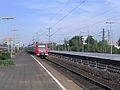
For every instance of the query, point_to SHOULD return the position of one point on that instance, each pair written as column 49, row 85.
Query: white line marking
column 63, row 88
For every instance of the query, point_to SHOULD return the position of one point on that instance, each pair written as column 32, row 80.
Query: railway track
column 90, row 63
column 90, row 82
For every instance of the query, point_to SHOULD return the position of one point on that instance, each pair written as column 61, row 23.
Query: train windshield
column 41, row 47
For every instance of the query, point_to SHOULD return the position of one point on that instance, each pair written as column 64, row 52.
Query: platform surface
column 26, row 74
column 115, row 57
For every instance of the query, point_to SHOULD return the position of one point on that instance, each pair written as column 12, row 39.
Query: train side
column 38, row 49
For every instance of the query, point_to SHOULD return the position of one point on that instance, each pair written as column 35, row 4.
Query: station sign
column 10, row 40
column 84, row 40
column 108, row 42
column 5, row 40
column 112, row 42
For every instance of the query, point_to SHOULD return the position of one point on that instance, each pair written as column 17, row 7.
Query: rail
column 85, row 77
column 104, row 67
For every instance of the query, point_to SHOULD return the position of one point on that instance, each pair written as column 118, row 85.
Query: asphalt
column 26, row 74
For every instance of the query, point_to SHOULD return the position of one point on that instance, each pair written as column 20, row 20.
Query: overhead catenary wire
column 61, row 9
column 102, row 14
column 90, row 24
column 97, row 22
column 69, row 13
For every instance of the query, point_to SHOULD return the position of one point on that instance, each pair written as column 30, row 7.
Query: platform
column 113, row 57
column 27, row 74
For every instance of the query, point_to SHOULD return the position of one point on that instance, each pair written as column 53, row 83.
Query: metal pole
column 111, row 42
column 68, row 46
column 108, row 35
column 111, row 32
column 76, row 42
column 49, row 37
column 83, row 47
column 80, row 39
column 88, row 41
column 8, row 35
column 103, row 40
column 7, row 18
column 11, row 49
column 14, row 41
column 111, row 37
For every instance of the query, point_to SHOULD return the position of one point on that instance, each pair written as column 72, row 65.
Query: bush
column 4, row 55
column 8, row 62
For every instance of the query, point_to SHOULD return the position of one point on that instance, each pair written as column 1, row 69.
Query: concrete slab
column 26, row 74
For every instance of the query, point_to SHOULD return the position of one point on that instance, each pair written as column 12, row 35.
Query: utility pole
column 65, row 43
column 14, row 41
column 103, row 40
column 88, row 43
column 76, row 42
column 49, row 33
column 110, row 23
column 49, row 36
column 108, row 35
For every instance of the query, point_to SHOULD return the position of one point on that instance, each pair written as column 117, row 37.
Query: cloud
column 91, row 12
column 115, row 3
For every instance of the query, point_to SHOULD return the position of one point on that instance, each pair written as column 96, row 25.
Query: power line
column 97, row 22
column 69, row 12
column 61, row 9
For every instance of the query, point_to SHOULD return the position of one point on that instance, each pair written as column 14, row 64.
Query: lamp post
column 14, row 41
column 11, row 42
column 110, row 22
column 8, row 18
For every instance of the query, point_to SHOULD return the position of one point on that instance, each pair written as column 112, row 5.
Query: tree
column 91, row 44
column 119, row 42
column 90, row 40
column 75, row 43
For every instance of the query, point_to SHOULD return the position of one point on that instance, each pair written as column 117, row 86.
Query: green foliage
column 8, row 62
column 4, row 55
column 76, row 44
column 4, row 45
column 119, row 42
column 75, row 41
column 90, row 40
column 92, row 46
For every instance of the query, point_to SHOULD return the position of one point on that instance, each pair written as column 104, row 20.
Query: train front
column 42, row 50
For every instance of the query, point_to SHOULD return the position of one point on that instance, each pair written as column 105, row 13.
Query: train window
column 41, row 48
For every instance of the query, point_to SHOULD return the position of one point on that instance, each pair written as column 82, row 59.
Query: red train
column 38, row 49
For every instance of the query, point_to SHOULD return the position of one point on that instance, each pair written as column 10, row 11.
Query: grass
column 7, row 62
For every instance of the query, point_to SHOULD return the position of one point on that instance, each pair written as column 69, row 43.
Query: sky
column 36, row 16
